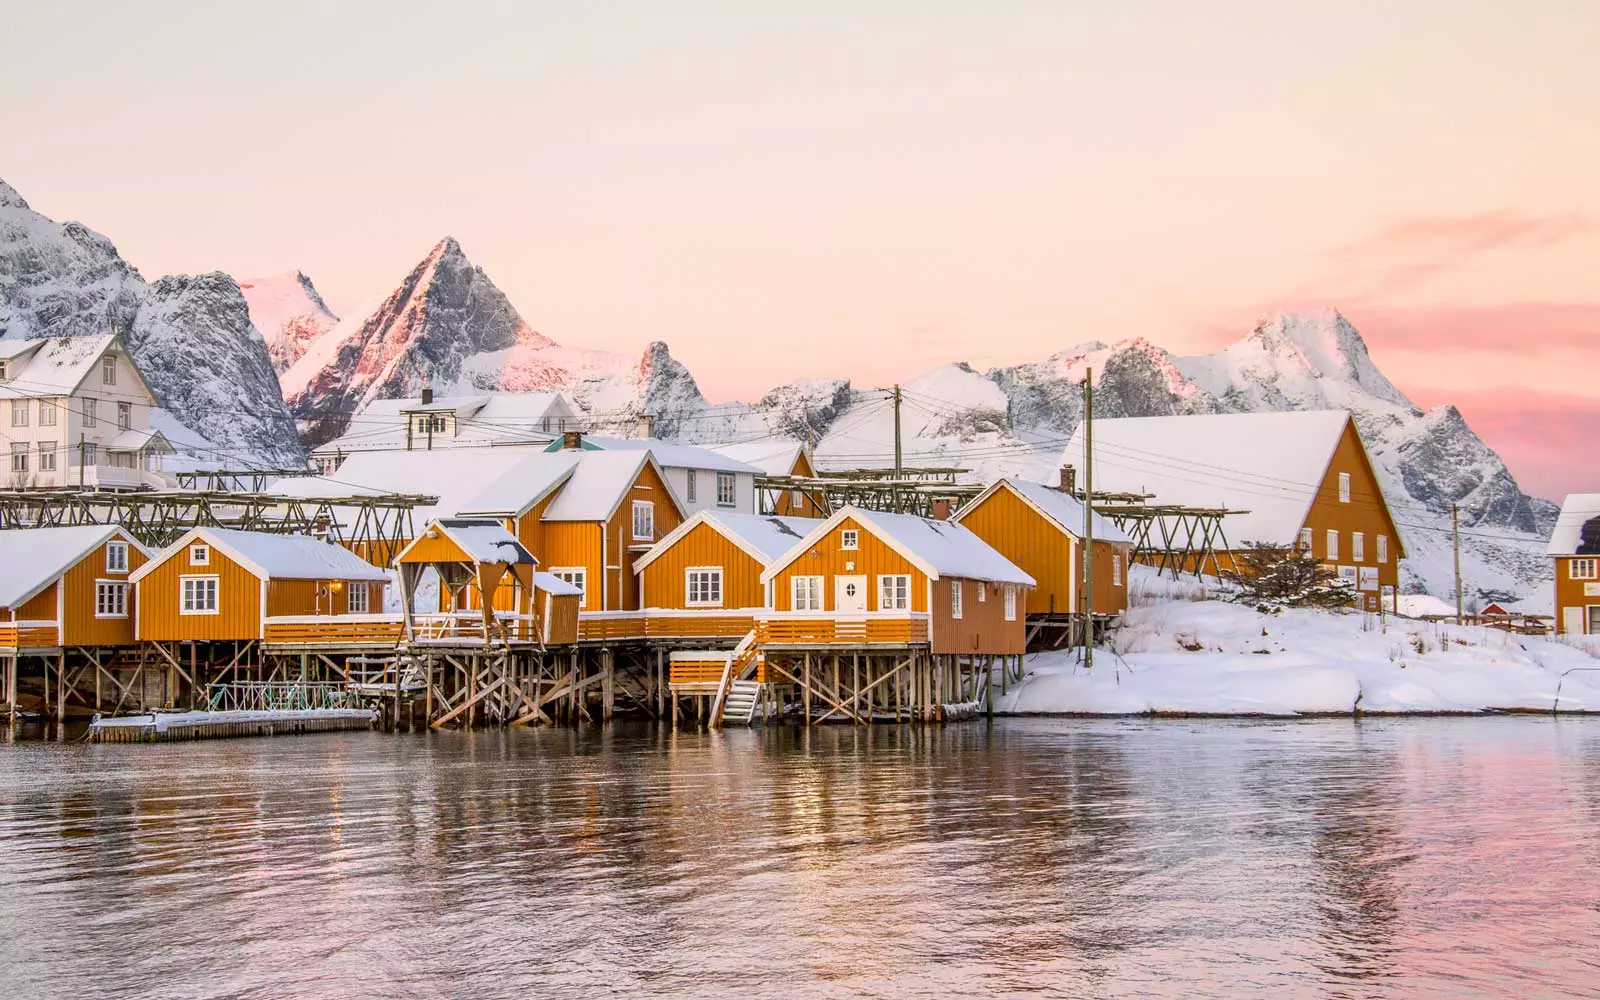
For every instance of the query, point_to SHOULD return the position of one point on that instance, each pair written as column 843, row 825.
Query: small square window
column 703, row 586
column 644, row 520
column 116, row 557
column 849, row 538
column 199, row 555
column 359, row 596
column 110, row 599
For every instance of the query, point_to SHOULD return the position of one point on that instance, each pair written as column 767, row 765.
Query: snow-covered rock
column 289, row 313
column 191, row 337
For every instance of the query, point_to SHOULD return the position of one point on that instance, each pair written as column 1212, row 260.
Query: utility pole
column 1455, row 540
column 897, row 466
column 1088, row 519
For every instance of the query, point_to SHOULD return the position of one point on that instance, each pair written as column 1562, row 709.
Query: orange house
column 869, row 577
column 1575, row 549
column 780, row 457
column 67, row 586
column 1042, row 530
column 1299, row 478
column 216, row 584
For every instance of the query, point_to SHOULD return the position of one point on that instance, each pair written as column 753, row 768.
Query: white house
column 436, row 423
column 74, row 411
column 702, row 478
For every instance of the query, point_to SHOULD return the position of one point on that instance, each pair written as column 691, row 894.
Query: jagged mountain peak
column 290, row 314
column 9, row 198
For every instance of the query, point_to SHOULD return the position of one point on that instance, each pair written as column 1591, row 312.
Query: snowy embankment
column 1176, row 654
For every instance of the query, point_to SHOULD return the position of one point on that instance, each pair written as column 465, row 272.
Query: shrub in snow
column 1272, row 577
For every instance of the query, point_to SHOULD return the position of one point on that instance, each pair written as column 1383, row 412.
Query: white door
column 1594, row 619
column 850, row 593
column 1572, row 621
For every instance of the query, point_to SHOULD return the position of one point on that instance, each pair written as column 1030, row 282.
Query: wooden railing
column 666, row 624
column 707, row 672
column 333, row 630
column 880, row 628
column 29, row 634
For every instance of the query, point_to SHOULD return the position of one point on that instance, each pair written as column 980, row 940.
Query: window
column 1358, row 546
column 1305, row 539
column 116, row 557
column 955, row 598
column 47, row 456
column 47, row 413
column 725, row 489
column 983, row 592
column 894, row 592
column 4, row 374
column 199, row 555
column 1333, row 545
column 797, row 500
column 358, row 598
column 704, row 586
column 1383, row 548
column 124, row 416
column 1344, row 487
column 110, row 599
column 578, row 577
column 1116, row 570
column 88, row 454
column 1583, row 569
column 19, row 456
column 89, row 406
column 1011, row 603
column 108, row 369
column 19, row 413
column 199, row 595
column 849, row 538
column 807, row 593
column 694, row 485
column 644, row 520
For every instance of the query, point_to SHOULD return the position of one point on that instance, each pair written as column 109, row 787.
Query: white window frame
column 47, row 456
column 850, row 539
column 19, row 456
column 104, row 606
column 1383, row 548
column 1583, row 569
column 124, row 416
column 1344, row 487
column 955, row 598
column 1116, row 569
column 19, row 413
column 983, row 592
column 1306, row 539
column 708, row 575
column 692, row 491
column 1358, row 546
column 578, row 576
column 1011, row 602
column 894, row 592
column 352, row 588
column 199, row 554
column 88, row 453
column 120, row 563
column 1331, row 543
column 805, row 593
column 648, row 509
column 727, row 489
column 108, row 369
column 91, row 411
column 47, row 413
column 190, row 604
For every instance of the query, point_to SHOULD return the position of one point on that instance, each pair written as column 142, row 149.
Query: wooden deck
column 16, row 636
column 368, row 633
column 800, row 630
column 666, row 625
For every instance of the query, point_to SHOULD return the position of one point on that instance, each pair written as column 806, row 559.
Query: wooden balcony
column 666, row 625
column 333, row 631
column 29, row 635
column 877, row 628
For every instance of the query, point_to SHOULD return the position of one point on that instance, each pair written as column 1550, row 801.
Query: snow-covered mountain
column 190, row 336
column 289, row 313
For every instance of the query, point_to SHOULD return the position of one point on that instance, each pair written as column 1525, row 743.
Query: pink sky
column 870, row 190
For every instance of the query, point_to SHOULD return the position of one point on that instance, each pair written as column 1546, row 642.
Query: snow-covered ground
column 1178, row 654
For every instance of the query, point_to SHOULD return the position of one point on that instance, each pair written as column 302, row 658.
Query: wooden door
column 850, row 594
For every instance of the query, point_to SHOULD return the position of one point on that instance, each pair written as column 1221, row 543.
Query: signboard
column 1591, row 590
column 1369, row 578
column 1348, row 575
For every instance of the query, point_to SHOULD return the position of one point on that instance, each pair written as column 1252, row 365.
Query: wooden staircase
column 739, row 708
column 737, row 697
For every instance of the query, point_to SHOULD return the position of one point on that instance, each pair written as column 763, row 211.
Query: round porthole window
column 850, row 590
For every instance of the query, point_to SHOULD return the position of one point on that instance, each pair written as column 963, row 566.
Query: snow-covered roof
column 455, row 476
column 1576, row 511
column 1269, row 464
column 529, row 419
column 1062, row 508
column 774, row 456
column 550, row 583
column 33, row 557
column 764, row 536
column 524, row 484
column 276, row 557
column 599, row 484
column 134, row 440
column 668, row 454
column 484, row 541
column 938, row 548
column 56, row 368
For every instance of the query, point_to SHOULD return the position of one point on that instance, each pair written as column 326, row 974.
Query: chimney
column 571, row 440
column 941, row 509
column 427, row 395
column 1069, row 479
column 645, row 427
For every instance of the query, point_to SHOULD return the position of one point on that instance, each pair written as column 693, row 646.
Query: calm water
column 1425, row 857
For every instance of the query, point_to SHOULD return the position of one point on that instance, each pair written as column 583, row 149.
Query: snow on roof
column 531, row 419
column 282, row 557
column 938, row 548
column 522, row 485
column 35, row 556
column 1062, row 508
column 57, row 367
column 133, row 440
column 550, row 583
column 1576, row 511
column 599, row 483
column 11, row 347
column 455, row 476
column 764, row 536
column 1269, row 464
column 774, row 457
column 485, row 541
column 668, row 454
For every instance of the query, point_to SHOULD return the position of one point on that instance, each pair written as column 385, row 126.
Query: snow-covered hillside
column 289, row 313
column 190, row 336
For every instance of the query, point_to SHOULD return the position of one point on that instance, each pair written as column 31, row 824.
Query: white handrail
column 727, row 677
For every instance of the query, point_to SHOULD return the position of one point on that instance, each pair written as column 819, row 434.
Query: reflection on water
column 1436, row 857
